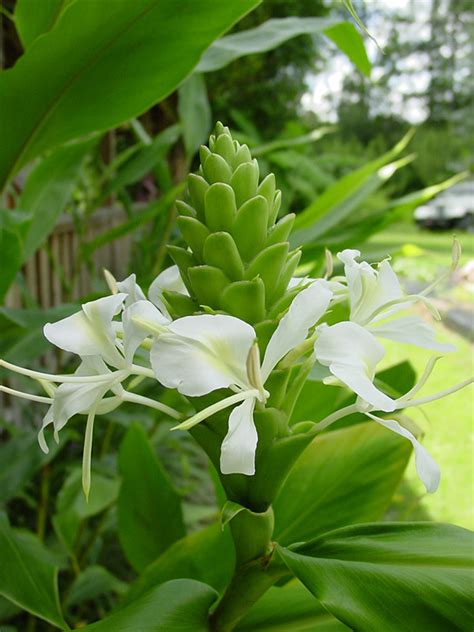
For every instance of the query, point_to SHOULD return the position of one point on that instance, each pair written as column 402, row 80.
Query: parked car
column 452, row 209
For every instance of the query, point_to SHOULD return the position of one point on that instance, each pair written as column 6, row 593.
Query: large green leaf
column 28, row 575
column 206, row 555
column 47, row 191
column 33, row 18
column 97, row 68
column 391, row 576
column 72, row 507
column 289, row 608
column 343, row 477
column 181, row 605
column 275, row 32
column 149, row 509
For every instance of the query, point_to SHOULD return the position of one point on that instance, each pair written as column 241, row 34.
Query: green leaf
column 346, row 187
column 346, row 196
column 21, row 457
column 98, row 48
column 268, row 36
column 206, row 555
column 135, row 221
column 149, row 509
column 292, row 141
column 194, row 112
column 343, row 477
column 289, row 608
column 93, row 582
column 33, row 18
column 143, row 161
column 400, row 208
column 28, row 575
column 11, row 247
column 72, row 507
column 350, row 7
column 348, row 40
column 47, row 191
column 391, row 576
column 181, row 605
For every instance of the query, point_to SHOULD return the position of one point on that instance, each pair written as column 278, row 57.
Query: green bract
column 237, row 257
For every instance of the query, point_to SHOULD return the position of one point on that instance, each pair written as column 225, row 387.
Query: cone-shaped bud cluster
column 237, row 258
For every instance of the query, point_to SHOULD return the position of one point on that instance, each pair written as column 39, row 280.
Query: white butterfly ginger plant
column 231, row 299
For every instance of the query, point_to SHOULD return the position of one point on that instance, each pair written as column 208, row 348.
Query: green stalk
column 249, row 583
column 255, row 570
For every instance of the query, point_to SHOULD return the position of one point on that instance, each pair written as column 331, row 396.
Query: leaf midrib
column 53, row 104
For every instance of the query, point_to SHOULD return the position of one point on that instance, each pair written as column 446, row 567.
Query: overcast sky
column 325, row 88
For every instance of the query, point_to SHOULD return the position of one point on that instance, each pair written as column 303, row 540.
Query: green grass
column 448, row 428
column 447, row 423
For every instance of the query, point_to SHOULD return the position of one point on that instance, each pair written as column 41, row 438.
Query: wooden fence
column 54, row 274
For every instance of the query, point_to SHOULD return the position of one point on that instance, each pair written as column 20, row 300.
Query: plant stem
column 256, row 569
column 250, row 582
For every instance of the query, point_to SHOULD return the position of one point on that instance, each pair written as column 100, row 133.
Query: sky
column 325, row 89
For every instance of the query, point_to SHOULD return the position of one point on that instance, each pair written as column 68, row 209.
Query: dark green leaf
column 206, row 555
column 28, row 575
column 148, row 42
column 93, row 582
column 149, row 509
column 47, row 191
column 181, row 605
column 343, row 477
column 72, row 507
column 391, row 576
column 21, row 457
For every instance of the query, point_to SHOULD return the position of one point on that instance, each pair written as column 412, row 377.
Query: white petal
column 139, row 320
column 240, row 443
column 369, row 289
column 426, row 466
column 306, row 309
column 130, row 287
column 170, row 279
column 71, row 398
column 47, row 420
column 352, row 354
column 411, row 330
column 90, row 331
column 203, row 353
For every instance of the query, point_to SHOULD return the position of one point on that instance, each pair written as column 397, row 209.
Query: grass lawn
column 448, row 423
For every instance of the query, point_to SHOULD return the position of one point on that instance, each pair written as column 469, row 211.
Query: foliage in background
column 140, row 164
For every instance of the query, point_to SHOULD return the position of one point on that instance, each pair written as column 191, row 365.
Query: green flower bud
column 236, row 257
